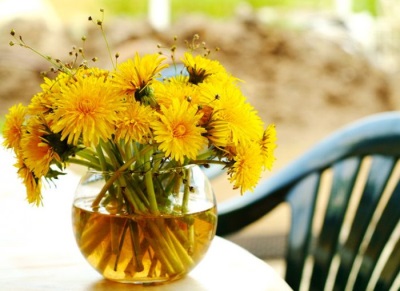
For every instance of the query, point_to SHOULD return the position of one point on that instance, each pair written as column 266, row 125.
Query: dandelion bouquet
column 132, row 120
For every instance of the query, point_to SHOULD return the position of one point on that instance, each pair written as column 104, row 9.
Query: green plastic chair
column 357, row 246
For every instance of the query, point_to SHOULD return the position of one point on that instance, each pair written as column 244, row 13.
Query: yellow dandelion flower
column 233, row 120
column 82, row 72
column 246, row 170
column 88, row 110
column 36, row 152
column 137, row 73
column 268, row 145
column 165, row 92
column 201, row 69
column 134, row 123
column 42, row 103
column 13, row 126
column 177, row 131
column 32, row 184
column 219, row 133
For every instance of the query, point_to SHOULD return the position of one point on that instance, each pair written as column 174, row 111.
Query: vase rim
column 174, row 169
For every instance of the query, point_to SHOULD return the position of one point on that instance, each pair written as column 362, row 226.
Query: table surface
column 38, row 250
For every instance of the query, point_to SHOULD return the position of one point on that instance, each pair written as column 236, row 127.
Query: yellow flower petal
column 36, row 153
column 246, row 170
column 177, row 131
column 133, row 124
column 32, row 184
column 268, row 145
column 137, row 73
column 87, row 110
column 13, row 126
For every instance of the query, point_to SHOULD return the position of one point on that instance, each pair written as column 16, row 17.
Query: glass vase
column 144, row 228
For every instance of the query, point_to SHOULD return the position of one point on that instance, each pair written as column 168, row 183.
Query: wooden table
column 38, row 251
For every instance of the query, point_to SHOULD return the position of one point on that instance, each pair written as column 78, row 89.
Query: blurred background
column 308, row 66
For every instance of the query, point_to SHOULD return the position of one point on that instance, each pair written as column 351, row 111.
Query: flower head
column 133, row 124
column 202, row 69
column 13, row 127
column 177, row 131
column 32, row 183
column 233, row 120
column 246, row 170
column 172, row 89
column 268, row 146
column 36, row 152
column 43, row 102
column 87, row 110
column 133, row 76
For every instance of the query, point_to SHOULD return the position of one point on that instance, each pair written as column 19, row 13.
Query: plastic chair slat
column 384, row 228
column 378, row 177
column 302, row 200
column 344, row 176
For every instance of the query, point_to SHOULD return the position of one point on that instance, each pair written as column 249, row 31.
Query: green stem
column 182, row 253
column 169, row 255
column 121, row 243
column 135, row 197
column 149, row 184
column 186, row 191
column 135, row 241
column 102, row 158
column 88, row 155
column 84, row 163
column 111, row 180
column 116, row 175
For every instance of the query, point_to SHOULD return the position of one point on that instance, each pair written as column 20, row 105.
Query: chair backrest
column 344, row 196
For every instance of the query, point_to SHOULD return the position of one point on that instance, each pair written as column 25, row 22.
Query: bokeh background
column 308, row 66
